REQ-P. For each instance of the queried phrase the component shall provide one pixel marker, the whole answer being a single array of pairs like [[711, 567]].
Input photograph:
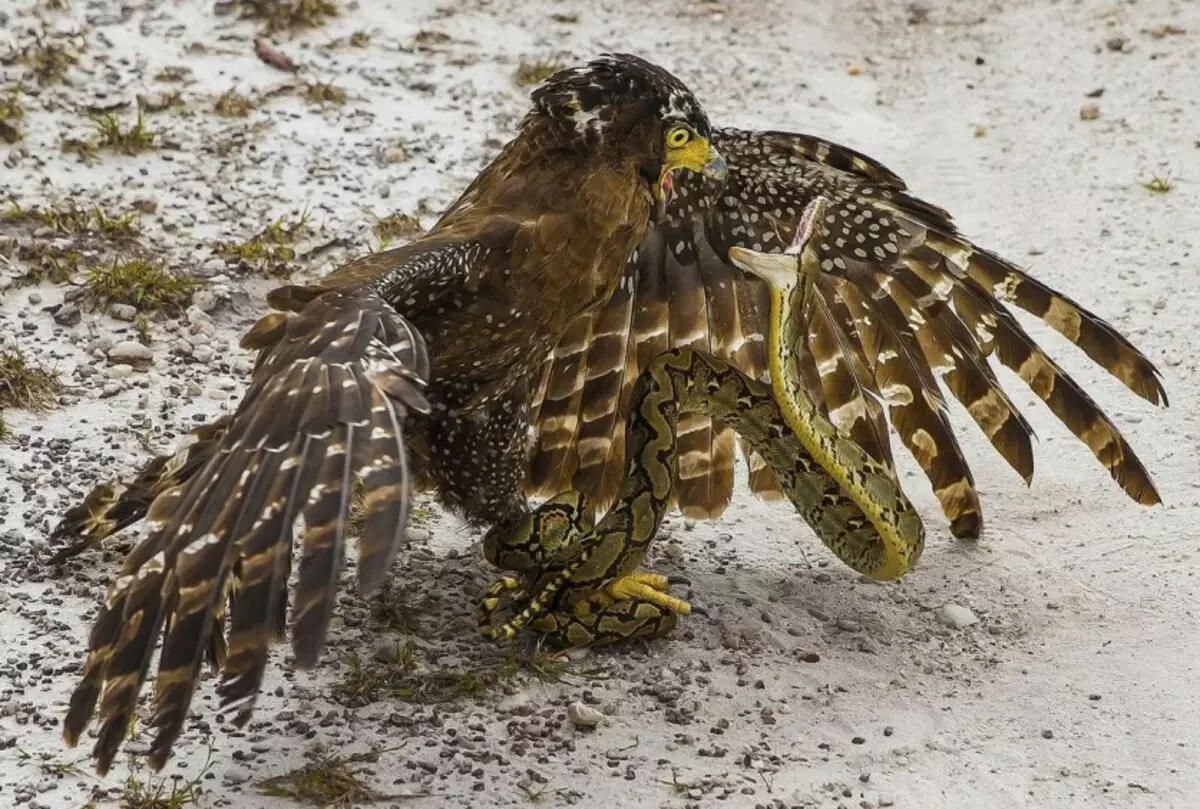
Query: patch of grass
[[397, 226], [47, 764], [330, 783], [388, 611], [162, 793], [24, 384], [65, 218], [232, 104], [134, 140], [139, 283], [1157, 185], [12, 113], [535, 71], [174, 74], [159, 103], [325, 94], [286, 15], [364, 682], [45, 262], [86, 150], [49, 56], [272, 250], [359, 39]]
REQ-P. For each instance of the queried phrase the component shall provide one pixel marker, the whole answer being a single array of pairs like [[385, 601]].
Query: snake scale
[[590, 591]]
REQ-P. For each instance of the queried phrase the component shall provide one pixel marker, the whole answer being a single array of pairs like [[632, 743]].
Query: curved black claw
[[684, 580]]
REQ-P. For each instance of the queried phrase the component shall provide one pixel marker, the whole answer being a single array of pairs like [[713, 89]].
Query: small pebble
[[1089, 112], [123, 311], [68, 315], [956, 616], [131, 352], [584, 716]]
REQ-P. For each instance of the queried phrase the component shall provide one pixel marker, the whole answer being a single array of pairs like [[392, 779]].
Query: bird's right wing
[[335, 377]]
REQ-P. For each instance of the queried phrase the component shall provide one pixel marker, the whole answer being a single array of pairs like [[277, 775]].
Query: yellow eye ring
[[678, 136]]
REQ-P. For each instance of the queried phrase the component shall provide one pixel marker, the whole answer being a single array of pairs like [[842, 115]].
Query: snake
[[587, 589]]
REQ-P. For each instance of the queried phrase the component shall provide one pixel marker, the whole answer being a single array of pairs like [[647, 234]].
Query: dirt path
[[1078, 684]]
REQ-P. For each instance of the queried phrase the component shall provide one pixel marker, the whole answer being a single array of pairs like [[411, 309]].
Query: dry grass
[[285, 15], [325, 94], [403, 678], [535, 71], [232, 104], [328, 783], [12, 113], [24, 384], [1157, 185]]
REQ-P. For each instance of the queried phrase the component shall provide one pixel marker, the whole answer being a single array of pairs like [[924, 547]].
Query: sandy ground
[[1078, 685]]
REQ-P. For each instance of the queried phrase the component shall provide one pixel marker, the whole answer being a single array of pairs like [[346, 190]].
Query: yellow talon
[[646, 587]]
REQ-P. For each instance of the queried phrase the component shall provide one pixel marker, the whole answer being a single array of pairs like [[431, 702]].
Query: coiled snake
[[591, 592]]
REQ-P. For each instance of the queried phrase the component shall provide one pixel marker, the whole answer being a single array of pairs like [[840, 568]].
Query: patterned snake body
[[591, 593]]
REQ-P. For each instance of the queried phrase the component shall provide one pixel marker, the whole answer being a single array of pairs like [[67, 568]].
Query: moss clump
[[50, 56], [24, 384], [139, 283], [65, 218], [174, 74]]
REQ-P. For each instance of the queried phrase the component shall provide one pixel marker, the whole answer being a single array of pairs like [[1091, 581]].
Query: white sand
[[1079, 684]]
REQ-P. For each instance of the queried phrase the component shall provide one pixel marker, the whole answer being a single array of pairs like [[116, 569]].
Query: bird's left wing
[[905, 302], [335, 377]]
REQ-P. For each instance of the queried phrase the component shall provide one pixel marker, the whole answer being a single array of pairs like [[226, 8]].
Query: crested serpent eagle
[[597, 239]]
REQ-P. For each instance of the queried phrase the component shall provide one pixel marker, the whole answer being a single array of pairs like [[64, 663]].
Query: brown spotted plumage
[[424, 358], [905, 301]]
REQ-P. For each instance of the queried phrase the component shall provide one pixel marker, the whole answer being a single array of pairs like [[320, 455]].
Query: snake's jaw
[[780, 270], [783, 271]]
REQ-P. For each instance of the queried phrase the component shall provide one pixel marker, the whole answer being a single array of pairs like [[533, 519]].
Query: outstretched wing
[[334, 379], [906, 301]]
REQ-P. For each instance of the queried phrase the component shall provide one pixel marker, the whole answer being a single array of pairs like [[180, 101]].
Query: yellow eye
[[678, 136]]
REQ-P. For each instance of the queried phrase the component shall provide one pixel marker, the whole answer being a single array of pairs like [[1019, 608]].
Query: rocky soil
[[1053, 663]]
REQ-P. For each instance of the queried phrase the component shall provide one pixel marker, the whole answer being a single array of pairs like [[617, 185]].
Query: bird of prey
[[411, 367], [597, 238]]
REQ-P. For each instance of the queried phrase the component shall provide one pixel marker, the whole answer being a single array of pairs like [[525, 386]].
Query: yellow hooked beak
[[696, 155]]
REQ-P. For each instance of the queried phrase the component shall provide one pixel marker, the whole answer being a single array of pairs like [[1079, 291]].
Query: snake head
[[797, 267]]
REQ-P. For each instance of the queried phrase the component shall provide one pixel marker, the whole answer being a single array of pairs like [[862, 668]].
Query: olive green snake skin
[[591, 593]]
